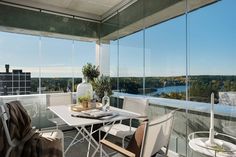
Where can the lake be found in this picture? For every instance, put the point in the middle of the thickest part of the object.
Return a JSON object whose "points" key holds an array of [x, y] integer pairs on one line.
{"points": [[171, 89]]}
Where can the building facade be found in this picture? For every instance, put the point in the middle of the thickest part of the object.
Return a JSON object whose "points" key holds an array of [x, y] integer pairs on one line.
{"points": [[16, 82]]}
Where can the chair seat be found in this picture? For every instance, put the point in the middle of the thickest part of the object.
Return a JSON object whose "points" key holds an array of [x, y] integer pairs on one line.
{"points": [[119, 130], [54, 134]]}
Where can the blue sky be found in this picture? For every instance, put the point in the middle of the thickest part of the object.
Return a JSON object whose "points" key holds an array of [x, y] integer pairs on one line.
{"points": [[212, 50], [55, 56], [212, 39]]}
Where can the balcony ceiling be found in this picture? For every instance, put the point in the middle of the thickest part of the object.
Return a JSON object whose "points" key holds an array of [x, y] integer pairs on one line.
{"points": [[94, 14], [91, 9]]}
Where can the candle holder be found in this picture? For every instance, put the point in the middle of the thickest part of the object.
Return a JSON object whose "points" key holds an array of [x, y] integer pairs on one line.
{"points": [[211, 142], [215, 144], [223, 144]]}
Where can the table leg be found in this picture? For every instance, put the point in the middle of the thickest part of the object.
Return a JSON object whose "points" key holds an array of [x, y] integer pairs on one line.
{"points": [[91, 130], [100, 147], [86, 137], [93, 140], [80, 131], [111, 125], [72, 142]]}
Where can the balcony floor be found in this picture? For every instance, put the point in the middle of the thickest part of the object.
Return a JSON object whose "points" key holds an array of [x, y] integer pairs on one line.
{"points": [[80, 149]]}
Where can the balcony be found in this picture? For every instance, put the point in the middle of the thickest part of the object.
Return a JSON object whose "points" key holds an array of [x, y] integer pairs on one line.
{"points": [[192, 117], [174, 53]]}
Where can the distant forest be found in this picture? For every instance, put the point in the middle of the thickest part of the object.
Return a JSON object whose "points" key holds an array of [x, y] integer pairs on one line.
{"points": [[200, 87]]}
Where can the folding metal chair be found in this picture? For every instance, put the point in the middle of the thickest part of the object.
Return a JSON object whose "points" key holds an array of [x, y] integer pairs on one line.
{"points": [[133, 104]]}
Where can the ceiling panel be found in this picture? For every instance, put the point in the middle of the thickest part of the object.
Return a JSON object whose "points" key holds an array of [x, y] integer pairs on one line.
{"points": [[94, 9], [98, 7]]}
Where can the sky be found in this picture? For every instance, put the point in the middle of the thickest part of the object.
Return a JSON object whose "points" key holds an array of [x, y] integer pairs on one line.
{"points": [[211, 44], [53, 57], [211, 48]]}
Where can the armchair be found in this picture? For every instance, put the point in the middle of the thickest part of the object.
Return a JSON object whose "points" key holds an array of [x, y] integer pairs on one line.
{"points": [[148, 140], [17, 138]]}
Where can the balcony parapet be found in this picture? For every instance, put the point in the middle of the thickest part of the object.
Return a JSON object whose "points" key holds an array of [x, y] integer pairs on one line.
{"points": [[220, 109]]}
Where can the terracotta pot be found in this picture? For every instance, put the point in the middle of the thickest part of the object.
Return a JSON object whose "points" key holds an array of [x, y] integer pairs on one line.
{"points": [[84, 104]]}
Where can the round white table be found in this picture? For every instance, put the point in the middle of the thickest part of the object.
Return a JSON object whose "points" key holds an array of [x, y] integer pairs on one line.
{"points": [[223, 144]]}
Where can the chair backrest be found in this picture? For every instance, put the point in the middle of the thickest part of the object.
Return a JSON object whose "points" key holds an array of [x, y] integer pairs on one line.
{"points": [[17, 130], [157, 134], [59, 99], [135, 104], [4, 114]]}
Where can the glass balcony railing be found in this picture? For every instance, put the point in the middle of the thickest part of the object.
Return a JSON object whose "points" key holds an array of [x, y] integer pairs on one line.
{"points": [[191, 116], [36, 106]]}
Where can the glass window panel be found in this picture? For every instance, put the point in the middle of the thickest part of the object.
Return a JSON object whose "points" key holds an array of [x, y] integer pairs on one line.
{"points": [[212, 38], [20, 52], [56, 65], [114, 63], [165, 59], [212, 45], [131, 63], [85, 52]]}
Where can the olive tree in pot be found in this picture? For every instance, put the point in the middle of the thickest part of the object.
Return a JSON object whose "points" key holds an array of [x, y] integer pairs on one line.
{"points": [[102, 85], [90, 72], [85, 89]]}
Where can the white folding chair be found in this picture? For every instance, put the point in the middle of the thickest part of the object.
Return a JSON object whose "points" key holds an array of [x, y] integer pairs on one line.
{"points": [[156, 135], [5, 116], [133, 104], [57, 99]]}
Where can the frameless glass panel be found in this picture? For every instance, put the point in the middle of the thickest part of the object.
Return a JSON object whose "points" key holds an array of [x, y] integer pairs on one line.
{"points": [[165, 56], [131, 49], [165, 70], [114, 64], [84, 52], [112, 25], [56, 65], [19, 64], [131, 63], [212, 68], [114, 70], [212, 46], [35, 106]]}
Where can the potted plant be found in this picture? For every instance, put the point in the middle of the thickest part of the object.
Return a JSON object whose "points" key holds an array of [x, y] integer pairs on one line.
{"points": [[102, 85], [90, 72], [84, 100]]}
